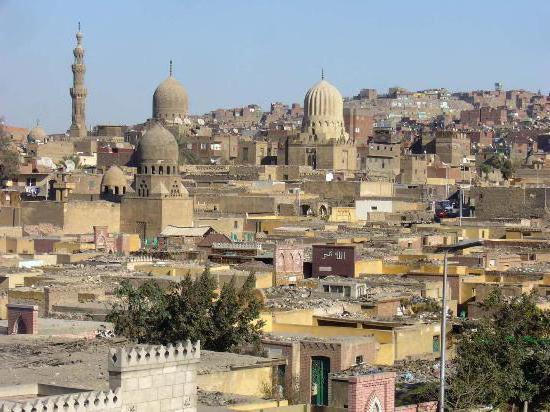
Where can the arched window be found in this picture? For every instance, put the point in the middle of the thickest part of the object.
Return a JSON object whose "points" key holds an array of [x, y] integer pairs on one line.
{"points": [[144, 169], [116, 190], [123, 190], [152, 170], [161, 170]]}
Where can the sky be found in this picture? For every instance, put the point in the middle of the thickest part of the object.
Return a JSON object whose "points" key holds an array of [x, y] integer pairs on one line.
{"points": [[234, 53]]}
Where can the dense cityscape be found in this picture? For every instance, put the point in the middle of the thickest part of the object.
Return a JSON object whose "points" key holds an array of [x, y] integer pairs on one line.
{"points": [[384, 251]]}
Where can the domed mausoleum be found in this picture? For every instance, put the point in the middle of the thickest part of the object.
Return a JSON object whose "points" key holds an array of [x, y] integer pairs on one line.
{"points": [[159, 198], [324, 112], [170, 101], [36, 134], [114, 181], [323, 142], [158, 151]]}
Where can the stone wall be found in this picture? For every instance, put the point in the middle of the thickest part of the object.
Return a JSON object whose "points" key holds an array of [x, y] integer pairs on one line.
{"points": [[247, 204], [74, 217], [508, 202], [67, 297]]}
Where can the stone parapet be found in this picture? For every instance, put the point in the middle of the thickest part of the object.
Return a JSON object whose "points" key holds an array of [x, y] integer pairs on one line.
{"points": [[147, 357]]}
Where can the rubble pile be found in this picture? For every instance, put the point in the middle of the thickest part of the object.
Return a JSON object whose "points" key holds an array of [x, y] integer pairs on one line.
{"points": [[408, 372], [286, 297]]}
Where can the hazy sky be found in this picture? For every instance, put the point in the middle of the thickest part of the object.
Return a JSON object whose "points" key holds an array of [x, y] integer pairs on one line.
{"points": [[232, 53]]}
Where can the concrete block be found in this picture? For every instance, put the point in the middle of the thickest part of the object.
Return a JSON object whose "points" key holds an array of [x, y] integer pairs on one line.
{"points": [[130, 384], [165, 404], [164, 392], [145, 382], [176, 403], [178, 390]]}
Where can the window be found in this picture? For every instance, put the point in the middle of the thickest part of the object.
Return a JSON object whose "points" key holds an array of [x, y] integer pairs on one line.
{"points": [[435, 343], [327, 290], [374, 208], [347, 291], [203, 146], [235, 224], [216, 146], [358, 359]]}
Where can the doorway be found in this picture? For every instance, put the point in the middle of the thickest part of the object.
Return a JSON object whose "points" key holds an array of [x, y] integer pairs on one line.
{"points": [[320, 368]]}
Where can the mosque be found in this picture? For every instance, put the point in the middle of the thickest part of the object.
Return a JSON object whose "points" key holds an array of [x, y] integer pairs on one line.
{"points": [[323, 142], [158, 198]]}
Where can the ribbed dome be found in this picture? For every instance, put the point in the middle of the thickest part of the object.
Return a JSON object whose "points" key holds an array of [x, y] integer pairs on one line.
{"points": [[170, 100], [158, 144], [35, 134], [114, 176], [324, 111]]}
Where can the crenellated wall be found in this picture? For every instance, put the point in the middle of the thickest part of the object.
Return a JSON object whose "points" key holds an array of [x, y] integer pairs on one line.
{"points": [[141, 379]]}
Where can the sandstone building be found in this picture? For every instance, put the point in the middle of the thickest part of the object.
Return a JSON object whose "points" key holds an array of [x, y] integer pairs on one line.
{"points": [[323, 142], [159, 198]]}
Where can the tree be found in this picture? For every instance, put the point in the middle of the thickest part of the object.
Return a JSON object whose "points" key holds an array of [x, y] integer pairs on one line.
{"points": [[503, 358], [189, 309], [9, 157], [138, 310]]}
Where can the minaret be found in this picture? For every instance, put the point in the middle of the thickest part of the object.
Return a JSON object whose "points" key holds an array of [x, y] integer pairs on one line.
{"points": [[78, 91]]}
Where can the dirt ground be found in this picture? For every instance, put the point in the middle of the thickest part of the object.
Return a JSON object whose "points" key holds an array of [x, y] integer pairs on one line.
{"points": [[79, 363]]}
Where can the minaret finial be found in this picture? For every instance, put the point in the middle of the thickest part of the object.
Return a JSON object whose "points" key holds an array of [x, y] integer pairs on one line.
{"points": [[322, 74], [37, 122], [78, 26], [170, 68]]}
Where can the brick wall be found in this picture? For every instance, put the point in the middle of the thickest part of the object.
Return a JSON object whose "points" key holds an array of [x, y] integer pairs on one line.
{"points": [[387, 310], [332, 351], [366, 391], [22, 319]]}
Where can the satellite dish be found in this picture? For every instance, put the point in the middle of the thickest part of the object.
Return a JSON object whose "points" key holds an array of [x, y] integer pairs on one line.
{"points": [[200, 121], [187, 121], [235, 131], [178, 120], [329, 177], [69, 165]]}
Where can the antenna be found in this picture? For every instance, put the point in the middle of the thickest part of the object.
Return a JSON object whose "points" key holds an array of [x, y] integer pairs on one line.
{"points": [[78, 26], [170, 68], [322, 74]]}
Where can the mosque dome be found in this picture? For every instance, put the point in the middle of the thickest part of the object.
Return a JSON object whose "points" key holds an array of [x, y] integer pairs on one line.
{"points": [[114, 177], [158, 145], [36, 134], [324, 111], [170, 100]]}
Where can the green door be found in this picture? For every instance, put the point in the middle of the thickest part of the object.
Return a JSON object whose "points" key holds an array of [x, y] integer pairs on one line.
{"points": [[435, 344], [320, 368]]}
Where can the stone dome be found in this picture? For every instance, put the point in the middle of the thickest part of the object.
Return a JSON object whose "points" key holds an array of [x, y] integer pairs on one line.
{"points": [[324, 112], [36, 134], [113, 177], [170, 100], [158, 145]]}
